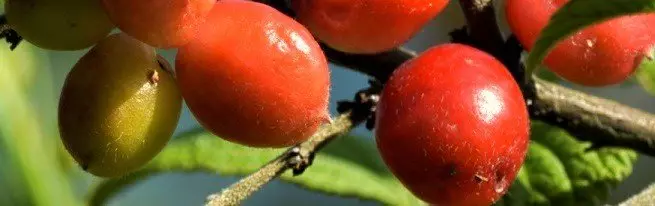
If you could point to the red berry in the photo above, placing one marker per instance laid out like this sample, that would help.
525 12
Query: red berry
452 126
164 24
366 26
603 54
255 76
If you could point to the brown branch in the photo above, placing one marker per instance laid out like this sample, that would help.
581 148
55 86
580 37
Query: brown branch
361 63
297 157
300 157
600 121
482 26
241 190
383 63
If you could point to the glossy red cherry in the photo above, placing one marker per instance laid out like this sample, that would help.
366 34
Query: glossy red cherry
366 26
603 54
254 76
452 126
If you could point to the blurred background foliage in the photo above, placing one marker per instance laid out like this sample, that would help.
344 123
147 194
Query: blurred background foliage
36 170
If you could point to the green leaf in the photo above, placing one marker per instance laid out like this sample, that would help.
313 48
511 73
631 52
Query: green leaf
348 167
578 14
645 73
560 171
31 176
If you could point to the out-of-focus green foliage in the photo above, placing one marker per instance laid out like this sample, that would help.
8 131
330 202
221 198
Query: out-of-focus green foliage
348 167
645 73
27 136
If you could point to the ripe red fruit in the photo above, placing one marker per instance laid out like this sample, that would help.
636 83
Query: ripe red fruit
255 76
603 54
163 24
366 26
452 126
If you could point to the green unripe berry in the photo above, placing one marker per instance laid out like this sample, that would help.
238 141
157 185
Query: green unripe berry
58 25
118 107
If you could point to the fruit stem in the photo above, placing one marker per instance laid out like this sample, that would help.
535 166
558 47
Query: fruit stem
379 66
589 118
10 35
300 157
297 157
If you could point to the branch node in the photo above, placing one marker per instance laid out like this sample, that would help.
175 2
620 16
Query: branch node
365 103
299 159
10 35
461 36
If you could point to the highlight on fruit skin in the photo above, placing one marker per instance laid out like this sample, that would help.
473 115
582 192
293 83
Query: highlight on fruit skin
163 24
366 26
452 126
118 107
58 25
603 54
254 76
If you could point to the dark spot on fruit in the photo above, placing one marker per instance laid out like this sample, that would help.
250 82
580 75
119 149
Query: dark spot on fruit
72 25
453 170
480 178
84 161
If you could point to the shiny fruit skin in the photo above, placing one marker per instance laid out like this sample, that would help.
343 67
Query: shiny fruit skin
58 25
254 76
602 54
366 26
452 126
118 107
163 24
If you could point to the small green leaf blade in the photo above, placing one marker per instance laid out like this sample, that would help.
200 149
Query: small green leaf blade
345 168
559 170
576 15
645 73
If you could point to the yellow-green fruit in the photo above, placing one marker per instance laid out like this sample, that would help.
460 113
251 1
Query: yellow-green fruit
59 24
118 107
